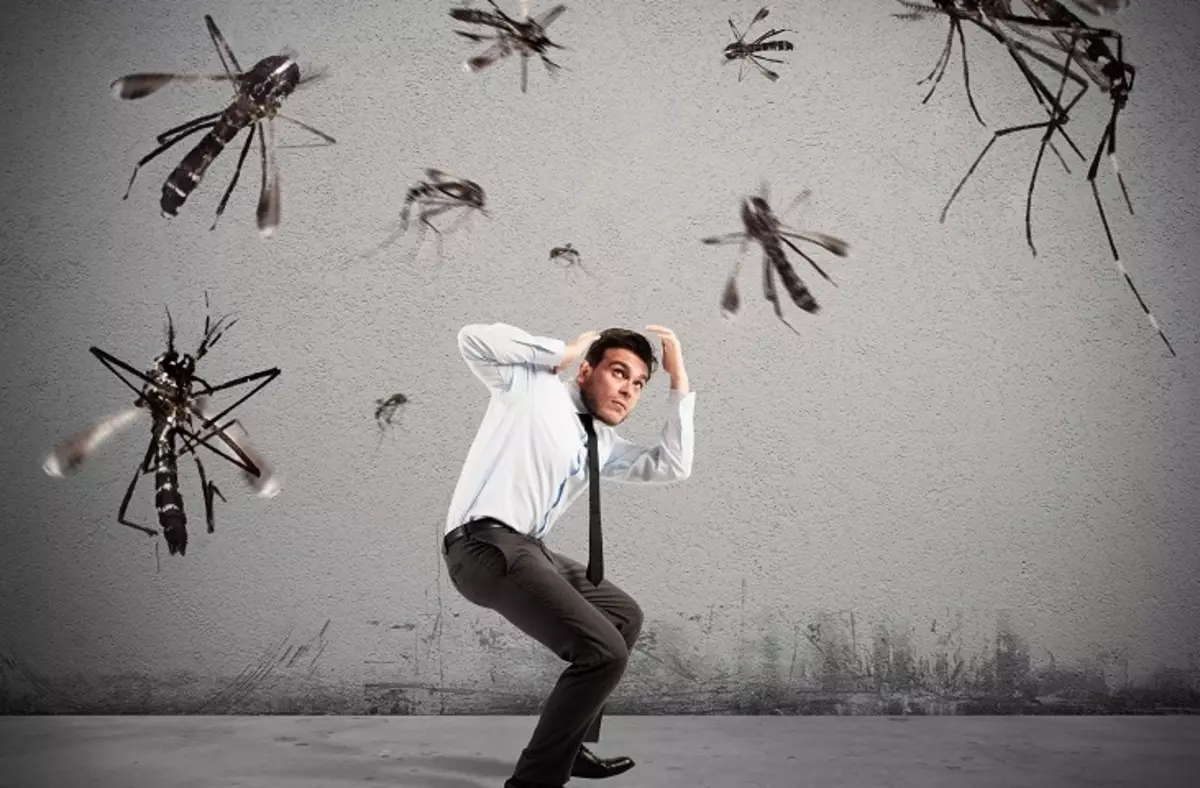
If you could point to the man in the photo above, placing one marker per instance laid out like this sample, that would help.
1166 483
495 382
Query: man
529 461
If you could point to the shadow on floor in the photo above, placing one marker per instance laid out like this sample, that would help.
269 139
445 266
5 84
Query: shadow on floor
491 768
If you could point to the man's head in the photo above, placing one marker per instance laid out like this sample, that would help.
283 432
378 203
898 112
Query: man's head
616 369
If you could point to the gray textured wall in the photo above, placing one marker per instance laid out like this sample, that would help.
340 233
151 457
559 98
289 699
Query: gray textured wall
971 484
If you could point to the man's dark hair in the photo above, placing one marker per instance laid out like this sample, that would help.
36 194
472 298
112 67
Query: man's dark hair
627 340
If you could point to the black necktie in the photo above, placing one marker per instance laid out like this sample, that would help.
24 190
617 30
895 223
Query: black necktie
595 569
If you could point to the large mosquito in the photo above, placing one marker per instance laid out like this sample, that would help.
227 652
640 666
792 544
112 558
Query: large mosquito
763 226
526 36
742 51
258 95
170 397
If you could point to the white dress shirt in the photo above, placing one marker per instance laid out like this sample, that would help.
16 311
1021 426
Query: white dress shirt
528 461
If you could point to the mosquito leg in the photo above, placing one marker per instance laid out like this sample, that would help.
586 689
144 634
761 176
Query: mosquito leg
185 127
1056 123
967 71
210 490
223 49
236 173
995 136
266 377
328 140
768 73
137 474
162 149
109 360
938 67
811 262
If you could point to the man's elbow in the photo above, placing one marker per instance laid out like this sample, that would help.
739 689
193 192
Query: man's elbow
470 346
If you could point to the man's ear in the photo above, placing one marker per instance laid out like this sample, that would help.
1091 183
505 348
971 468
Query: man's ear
582 375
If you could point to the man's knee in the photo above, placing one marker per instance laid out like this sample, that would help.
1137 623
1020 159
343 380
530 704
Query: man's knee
605 651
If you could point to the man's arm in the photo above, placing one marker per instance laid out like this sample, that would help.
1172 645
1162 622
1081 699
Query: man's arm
491 351
668 461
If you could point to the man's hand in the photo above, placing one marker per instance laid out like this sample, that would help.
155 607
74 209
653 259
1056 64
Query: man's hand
576 349
672 358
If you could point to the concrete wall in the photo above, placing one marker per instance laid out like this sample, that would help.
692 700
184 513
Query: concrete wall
970 484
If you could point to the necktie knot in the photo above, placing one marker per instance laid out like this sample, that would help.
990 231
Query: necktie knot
588 424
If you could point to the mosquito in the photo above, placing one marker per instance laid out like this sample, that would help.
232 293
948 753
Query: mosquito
170 397
526 36
385 413
740 50
763 226
257 98
568 257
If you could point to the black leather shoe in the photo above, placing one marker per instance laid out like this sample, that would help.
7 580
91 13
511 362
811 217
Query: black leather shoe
589 767
513 782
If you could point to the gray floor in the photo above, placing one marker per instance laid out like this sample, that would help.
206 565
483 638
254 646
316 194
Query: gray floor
478 752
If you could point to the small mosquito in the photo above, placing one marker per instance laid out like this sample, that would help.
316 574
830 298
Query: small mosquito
763 226
385 413
258 95
740 50
526 36
386 409
169 397
567 257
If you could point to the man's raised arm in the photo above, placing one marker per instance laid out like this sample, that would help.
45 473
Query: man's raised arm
492 350
668 461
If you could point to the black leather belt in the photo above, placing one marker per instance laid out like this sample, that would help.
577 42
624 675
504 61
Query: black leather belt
472 527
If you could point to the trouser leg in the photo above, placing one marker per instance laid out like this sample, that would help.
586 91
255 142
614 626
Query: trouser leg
513 576
616 605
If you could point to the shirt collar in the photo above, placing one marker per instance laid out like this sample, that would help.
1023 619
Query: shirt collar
577 400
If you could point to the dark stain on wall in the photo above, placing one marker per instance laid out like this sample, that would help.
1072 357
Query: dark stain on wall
823 666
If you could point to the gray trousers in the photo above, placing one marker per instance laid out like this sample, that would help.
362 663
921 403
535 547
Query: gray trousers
548 597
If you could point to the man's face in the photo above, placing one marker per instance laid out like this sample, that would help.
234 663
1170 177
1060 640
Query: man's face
611 390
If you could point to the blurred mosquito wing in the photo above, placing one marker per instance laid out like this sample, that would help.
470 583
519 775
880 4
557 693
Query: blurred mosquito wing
136 86
67 457
1103 7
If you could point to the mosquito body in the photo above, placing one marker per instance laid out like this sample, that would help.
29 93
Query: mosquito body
525 37
258 96
742 51
762 226
169 397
